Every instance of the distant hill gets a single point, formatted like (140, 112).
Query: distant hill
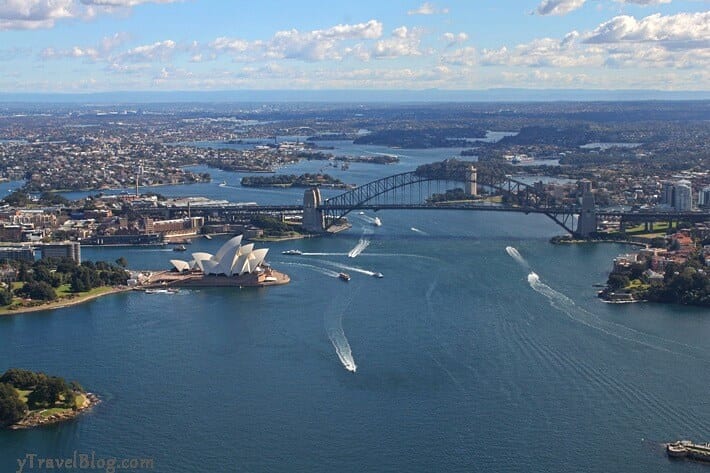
(356, 95)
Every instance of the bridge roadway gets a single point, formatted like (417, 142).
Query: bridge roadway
(601, 213)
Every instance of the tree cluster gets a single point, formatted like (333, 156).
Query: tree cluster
(45, 391)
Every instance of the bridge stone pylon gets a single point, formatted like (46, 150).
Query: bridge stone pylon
(313, 218)
(587, 222)
(471, 181)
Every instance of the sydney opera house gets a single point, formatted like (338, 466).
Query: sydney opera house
(234, 264)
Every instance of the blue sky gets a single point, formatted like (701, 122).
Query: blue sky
(110, 45)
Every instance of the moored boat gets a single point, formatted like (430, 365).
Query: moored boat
(688, 449)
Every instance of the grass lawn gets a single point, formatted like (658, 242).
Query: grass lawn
(64, 295)
(53, 410)
(23, 393)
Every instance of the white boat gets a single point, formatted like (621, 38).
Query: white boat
(378, 275)
(377, 222)
(169, 290)
(292, 252)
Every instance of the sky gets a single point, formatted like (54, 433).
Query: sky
(166, 45)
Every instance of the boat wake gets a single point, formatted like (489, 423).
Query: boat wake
(318, 269)
(360, 247)
(515, 254)
(351, 268)
(334, 329)
(324, 254)
(416, 230)
(567, 306)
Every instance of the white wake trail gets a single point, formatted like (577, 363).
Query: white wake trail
(569, 308)
(515, 254)
(416, 230)
(334, 329)
(360, 247)
(351, 268)
(317, 269)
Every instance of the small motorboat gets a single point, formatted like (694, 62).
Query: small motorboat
(378, 275)
(292, 252)
(180, 248)
(344, 276)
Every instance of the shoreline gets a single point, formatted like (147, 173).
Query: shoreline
(60, 304)
(34, 419)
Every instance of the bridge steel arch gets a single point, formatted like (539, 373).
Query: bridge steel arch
(383, 193)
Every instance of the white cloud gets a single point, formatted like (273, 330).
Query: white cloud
(461, 57)
(403, 42)
(92, 53)
(452, 39)
(683, 30)
(159, 51)
(428, 8)
(315, 45)
(558, 7)
(35, 14)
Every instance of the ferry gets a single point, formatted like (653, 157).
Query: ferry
(169, 290)
(688, 449)
(344, 276)
(378, 275)
(292, 252)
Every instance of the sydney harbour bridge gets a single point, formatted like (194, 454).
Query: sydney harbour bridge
(484, 190)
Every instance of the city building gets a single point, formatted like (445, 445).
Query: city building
(71, 249)
(704, 197)
(17, 253)
(683, 196)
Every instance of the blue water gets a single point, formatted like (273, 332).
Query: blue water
(465, 361)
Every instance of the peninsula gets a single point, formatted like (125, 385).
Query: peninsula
(29, 399)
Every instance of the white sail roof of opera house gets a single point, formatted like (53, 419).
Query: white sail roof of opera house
(231, 259)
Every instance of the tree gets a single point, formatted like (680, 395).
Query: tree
(617, 281)
(21, 379)
(37, 290)
(47, 392)
(5, 297)
(12, 409)
(122, 262)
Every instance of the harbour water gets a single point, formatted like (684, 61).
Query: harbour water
(470, 357)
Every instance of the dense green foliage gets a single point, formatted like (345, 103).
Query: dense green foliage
(449, 195)
(684, 284)
(270, 225)
(45, 391)
(42, 277)
(687, 283)
(12, 409)
(291, 180)
(37, 290)
(443, 137)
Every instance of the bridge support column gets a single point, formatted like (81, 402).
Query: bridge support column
(313, 219)
(471, 181)
(587, 223)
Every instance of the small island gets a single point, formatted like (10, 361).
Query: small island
(29, 399)
(291, 180)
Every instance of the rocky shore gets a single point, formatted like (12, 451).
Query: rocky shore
(37, 419)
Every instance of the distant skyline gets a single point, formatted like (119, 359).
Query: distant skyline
(82, 46)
